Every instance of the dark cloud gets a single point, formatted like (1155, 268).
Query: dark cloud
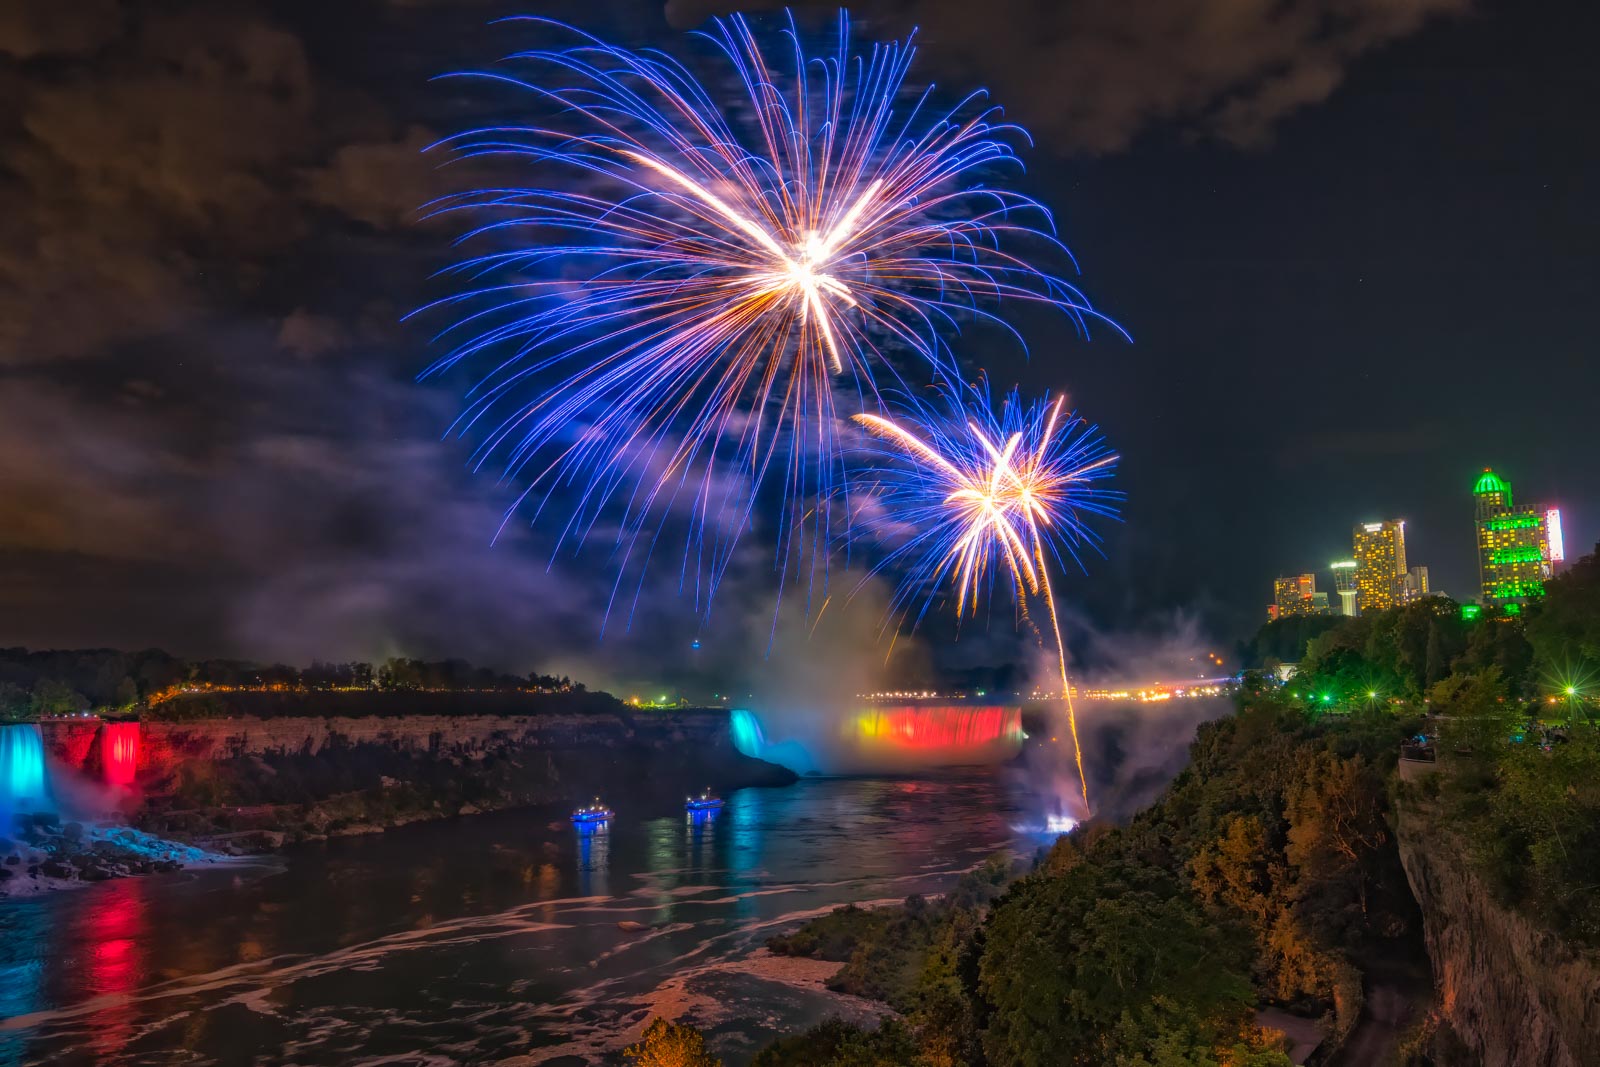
(1091, 75)
(33, 28)
(381, 183)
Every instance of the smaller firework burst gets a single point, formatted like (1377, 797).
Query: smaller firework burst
(981, 495)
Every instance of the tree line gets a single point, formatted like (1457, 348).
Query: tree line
(66, 682)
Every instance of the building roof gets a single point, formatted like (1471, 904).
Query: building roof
(1490, 482)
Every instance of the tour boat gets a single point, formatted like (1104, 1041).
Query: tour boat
(594, 813)
(704, 802)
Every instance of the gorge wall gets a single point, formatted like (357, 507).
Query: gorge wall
(163, 746)
(302, 774)
(1516, 994)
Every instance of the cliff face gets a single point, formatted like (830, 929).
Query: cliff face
(1516, 994)
(301, 776)
(161, 747)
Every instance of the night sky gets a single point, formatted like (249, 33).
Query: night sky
(1355, 241)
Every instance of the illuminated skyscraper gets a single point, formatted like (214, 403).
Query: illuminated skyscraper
(1416, 584)
(1517, 547)
(1297, 595)
(1344, 582)
(1380, 551)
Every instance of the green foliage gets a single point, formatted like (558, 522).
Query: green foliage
(670, 1045)
(1284, 640)
(888, 952)
(16, 703)
(836, 1043)
(1536, 829)
(52, 697)
(1070, 960)
(1396, 654)
(1564, 629)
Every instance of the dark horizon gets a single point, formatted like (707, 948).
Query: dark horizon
(1355, 259)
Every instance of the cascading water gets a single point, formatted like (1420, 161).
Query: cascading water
(24, 783)
(119, 752)
(890, 738)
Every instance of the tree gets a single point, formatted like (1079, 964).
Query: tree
(51, 697)
(1564, 629)
(1336, 829)
(15, 701)
(1478, 718)
(1067, 958)
(670, 1045)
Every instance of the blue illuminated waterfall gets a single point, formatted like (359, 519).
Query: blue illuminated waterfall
(24, 785)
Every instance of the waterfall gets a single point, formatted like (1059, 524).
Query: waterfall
(892, 738)
(24, 785)
(119, 752)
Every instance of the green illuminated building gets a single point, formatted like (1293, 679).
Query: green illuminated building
(1514, 544)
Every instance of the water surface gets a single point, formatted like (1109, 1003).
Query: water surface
(485, 939)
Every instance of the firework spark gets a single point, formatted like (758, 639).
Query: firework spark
(986, 495)
(674, 322)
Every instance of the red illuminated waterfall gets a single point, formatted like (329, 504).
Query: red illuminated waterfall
(119, 752)
(937, 733)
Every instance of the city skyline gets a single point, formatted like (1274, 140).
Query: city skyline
(1517, 549)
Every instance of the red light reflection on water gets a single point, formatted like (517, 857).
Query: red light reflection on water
(112, 932)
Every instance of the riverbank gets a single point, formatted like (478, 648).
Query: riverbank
(43, 854)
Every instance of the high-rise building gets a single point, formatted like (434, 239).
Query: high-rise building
(1344, 583)
(1517, 547)
(1380, 551)
(1554, 540)
(1297, 595)
(1416, 584)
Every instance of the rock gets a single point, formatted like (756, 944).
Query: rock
(1517, 994)
(46, 819)
(57, 869)
(6, 872)
(96, 873)
(469, 809)
(13, 860)
(73, 831)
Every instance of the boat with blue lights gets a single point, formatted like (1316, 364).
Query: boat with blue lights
(594, 814)
(704, 802)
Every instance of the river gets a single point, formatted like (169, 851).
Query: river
(496, 938)
(488, 938)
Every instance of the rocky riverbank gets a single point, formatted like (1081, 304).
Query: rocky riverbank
(43, 853)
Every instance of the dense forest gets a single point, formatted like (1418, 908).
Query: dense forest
(54, 683)
(1266, 875)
